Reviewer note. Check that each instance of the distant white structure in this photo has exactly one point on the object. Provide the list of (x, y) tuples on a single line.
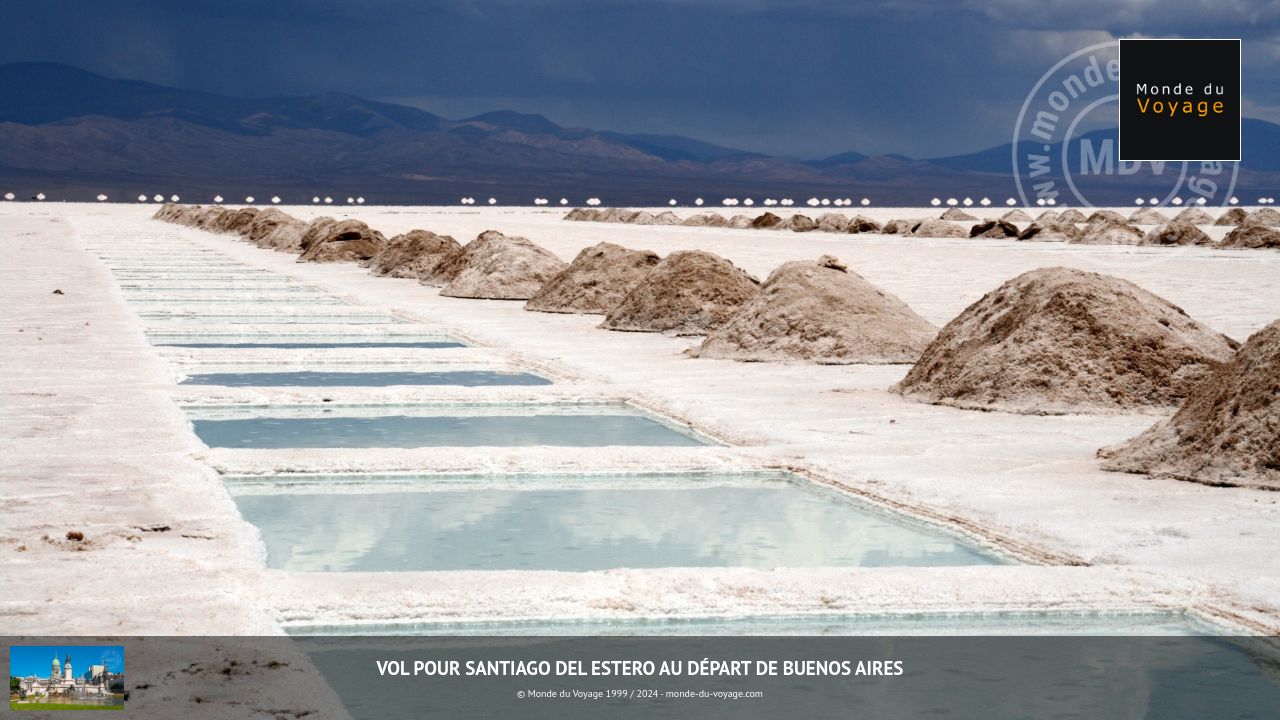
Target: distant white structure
[(866, 202), (102, 198), (360, 200), (825, 201), (729, 202), (1154, 201), (8, 196), (328, 200), (315, 199), (158, 198), (248, 200), (786, 202), (564, 201), (672, 202), (1235, 200), (351, 200), (1138, 201), (698, 202), (1177, 201), (275, 199), (811, 202), (748, 202), (174, 198), (968, 202), (1052, 201), (40, 197), (770, 202), (593, 201), (952, 202), (935, 202), (217, 198), (984, 202), (493, 201), (1200, 201), (1040, 201), (142, 198), (1010, 202)]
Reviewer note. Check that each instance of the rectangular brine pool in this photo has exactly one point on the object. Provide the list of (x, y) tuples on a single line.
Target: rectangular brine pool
[(582, 523), (365, 378), (437, 425), (280, 318), (302, 341)]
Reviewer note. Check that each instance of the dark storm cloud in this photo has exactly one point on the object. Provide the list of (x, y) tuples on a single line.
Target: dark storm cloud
[(806, 77)]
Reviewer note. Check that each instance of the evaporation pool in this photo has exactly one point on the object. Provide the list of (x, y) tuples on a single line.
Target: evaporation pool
[(582, 523), (451, 425), (383, 378), (299, 341)]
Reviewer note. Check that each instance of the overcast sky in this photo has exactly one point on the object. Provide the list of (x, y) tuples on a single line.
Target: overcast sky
[(805, 77)]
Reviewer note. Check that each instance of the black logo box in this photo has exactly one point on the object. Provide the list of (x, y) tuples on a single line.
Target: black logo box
[(1186, 64)]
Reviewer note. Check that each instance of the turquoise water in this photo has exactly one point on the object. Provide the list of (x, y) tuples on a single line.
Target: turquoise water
[(464, 378), (298, 341), (766, 521), (276, 319), (462, 430)]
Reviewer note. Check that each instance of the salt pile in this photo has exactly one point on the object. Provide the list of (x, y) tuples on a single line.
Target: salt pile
[(932, 228), (1060, 340), (616, 215), (1147, 216), (1226, 432), (765, 221), (740, 221), (833, 222), (1108, 228), (597, 280), (994, 229), (957, 214), (706, 220), (1016, 216), (1234, 216), (798, 223), (339, 241), (863, 224), (689, 292), (1262, 216), (820, 312), (1176, 232), (498, 267), (1195, 216), (1072, 216), (414, 254), (582, 214), (1252, 236)]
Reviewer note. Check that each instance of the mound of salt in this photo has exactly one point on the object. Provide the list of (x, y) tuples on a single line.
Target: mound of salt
[(414, 254), (583, 214), (1227, 432), (833, 222), (286, 236), (264, 223), (798, 223), (957, 214), (1147, 216), (1262, 216), (900, 227), (1108, 228), (641, 217), (765, 221), (706, 220), (1048, 218), (994, 229), (820, 312), (1252, 236), (339, 241), (931, 228), (666, 217), (1111, 217), (500, 267), (597, 280), (688, 292), (616, 215), (1050, 233), (863, 224), (1060, 340), (740, 221), (1071, 216), (1176, 232), (1234, 216), (1194, 216), (235, 221), (1016, 216)]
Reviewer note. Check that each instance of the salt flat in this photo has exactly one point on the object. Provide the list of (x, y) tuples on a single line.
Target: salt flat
[(95, 441)]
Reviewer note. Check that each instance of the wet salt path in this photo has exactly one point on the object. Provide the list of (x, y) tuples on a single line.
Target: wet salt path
[(464, 378)]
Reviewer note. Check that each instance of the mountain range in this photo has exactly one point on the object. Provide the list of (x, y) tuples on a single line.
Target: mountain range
[(72, 134)]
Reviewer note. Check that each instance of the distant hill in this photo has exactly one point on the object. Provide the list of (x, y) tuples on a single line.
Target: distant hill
[(72, 134)]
